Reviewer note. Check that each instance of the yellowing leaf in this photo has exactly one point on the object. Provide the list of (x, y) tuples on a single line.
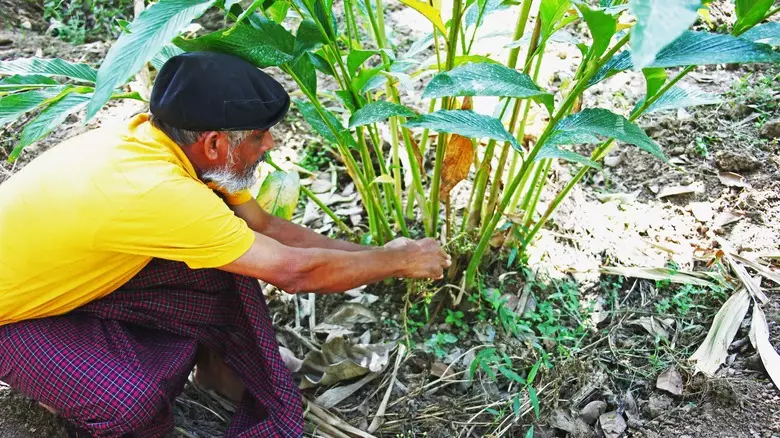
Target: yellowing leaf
[(383, 179), (468, 103), (456, 164), (279, 193), (431, 13)]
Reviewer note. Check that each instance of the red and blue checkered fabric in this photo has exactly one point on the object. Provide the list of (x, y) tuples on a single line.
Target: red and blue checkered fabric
[(115, 365)]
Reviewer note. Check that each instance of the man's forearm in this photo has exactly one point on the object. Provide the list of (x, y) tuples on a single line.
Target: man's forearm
[(328, 271), (290, 234)]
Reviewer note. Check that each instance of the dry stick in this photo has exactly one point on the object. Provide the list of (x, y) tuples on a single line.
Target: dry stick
[(332, 420), (312, 317), (375, 423), (183, 432), (309, 344)]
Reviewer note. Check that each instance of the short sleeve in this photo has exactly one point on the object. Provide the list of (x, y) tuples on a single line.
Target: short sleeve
[(182, 220)]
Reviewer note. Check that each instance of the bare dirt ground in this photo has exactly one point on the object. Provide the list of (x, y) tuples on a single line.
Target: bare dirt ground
[(617, 218)]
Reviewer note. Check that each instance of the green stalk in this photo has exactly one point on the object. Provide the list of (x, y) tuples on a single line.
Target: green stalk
[(349, 17), (564, 109), (440, 144), (397, 177), (538, 169), (426, 132), (541, 181), (521, 188)]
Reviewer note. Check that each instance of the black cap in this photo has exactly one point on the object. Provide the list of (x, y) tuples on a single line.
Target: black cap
[(207, 91)]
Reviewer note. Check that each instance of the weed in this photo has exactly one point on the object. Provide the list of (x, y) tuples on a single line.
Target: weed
[(316, 157), (438, 342), (701, 145), (80, 22)]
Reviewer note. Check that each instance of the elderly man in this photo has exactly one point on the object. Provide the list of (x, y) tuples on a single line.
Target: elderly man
[(126, 252)]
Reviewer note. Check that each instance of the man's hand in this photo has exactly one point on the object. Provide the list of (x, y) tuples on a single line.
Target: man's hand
[(424, 258)]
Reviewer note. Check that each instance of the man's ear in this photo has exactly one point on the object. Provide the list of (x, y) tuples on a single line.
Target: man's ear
[(215, 145)]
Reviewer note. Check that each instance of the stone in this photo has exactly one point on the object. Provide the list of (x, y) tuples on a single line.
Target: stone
[(613, 160), (612, 424), (771, 129), (26, 25), (591, 412), (731, 161), (657, 405), (754, 363)]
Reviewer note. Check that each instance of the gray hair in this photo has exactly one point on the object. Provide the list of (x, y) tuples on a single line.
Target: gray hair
[(184, 137)]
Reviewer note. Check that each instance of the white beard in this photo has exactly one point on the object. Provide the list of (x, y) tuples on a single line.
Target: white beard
[(230, 181)]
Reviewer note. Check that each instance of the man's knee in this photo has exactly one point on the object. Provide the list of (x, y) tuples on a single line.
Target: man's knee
[(130, 406)]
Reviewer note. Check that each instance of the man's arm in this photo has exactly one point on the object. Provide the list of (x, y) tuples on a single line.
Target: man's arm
[(288, 233), (297, 270)]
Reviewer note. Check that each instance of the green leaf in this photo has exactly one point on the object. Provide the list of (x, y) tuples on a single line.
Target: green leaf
[(767, 33), (51, 117), (608, 124), (48, 67), (602, 27), (493, 411), (530, 433), (534, 398), (124, 25), (562, 138), (347, 100), (313, 118), (486, 368), (680, 97), (15, 105), (229, 4), (278, 10), (432, 14), (553, 151), (151, 31), (551, 12), (377, 112), (472, 15), (419, 46), (464, 123), (484, 79), (167, 52), (304, 70), (279, 193), (449, 338), (534, 370), (245, 42), (511, 375), (658, 23), (356, 58), (702, 48), (655, 79), (308, 37), (20, 82), (320, 63), (750, 12), (361, 81)]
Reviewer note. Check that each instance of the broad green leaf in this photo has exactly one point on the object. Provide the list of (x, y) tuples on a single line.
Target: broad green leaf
[(245, 42), (313, 118), (658, 23), (491, 6), (356, 58), (304, 70), (308, 37), (551, 12), (248, 12), (602, 27), (51, 117), (229, 4), (532, 374), (273, 34), (767, 33), (511, 375), (484, 79), (530, 433), (655, 79), (553, 151), (167, 52), (564, 138), (418, 46), (320, 63), (680, 97), (151, 31), (278, 10), (464, 123), (486, 368), (20, 82), (48, 67), (432, 14), (750, 12), (347, 99), (279, 193), (608, 124), (365, 75), (13, 106), (377, 112), (534, 398), (697, 48)]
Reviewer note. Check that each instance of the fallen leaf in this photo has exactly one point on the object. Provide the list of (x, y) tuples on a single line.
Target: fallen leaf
[(681, 277), (456, 164), (759, 337), (612, 424), (349, 314), (468, 103), (652, 326), (670, 381), (620, 198), (732, 180), (702, 211), (713, 351), (339, 361), (334, 396), (727, 217), (441, 370), (290, 361), (321, 186), (591, 412), (697, 187), (761, 269)]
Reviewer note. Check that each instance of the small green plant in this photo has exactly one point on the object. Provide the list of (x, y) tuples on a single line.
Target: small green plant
[(316, 157), (438, 343), (455, 318), (83, 21), (701, 144)]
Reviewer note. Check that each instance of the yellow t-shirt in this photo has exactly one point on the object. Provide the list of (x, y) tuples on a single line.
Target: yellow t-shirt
[(86, 216)]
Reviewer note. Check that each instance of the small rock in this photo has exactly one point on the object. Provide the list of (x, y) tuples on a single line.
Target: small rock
[(612, 424), (754, 363), (39, 53), (687, 180), (657, 405), (613, 160), (591, 412), (26, 25), (678, 150), (732, 161), (771, 129)]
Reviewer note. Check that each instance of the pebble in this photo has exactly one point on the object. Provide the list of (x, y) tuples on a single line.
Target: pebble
[(613, 160), (771, 129), (591, 412), (26, 25)]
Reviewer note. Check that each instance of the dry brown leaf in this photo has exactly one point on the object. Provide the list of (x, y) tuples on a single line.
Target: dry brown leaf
[(339, 361), (612, 424), (697, 187), (334, 396), (713, 351), (442, 371), (350, 314), (732, 180), (468, 103), (759, 337), (654, 326), (456, 164), (752, 285), (670, 381), (761, 269)]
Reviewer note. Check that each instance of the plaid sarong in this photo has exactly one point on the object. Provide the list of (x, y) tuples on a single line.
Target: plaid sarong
[(116, 365)]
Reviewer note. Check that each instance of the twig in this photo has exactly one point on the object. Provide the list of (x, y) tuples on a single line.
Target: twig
[(202, 406), (312, 318), (183, 432), (309, 344), (330, 419), (382, 407)]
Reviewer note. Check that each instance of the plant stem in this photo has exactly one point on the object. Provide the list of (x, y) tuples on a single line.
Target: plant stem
[(441, 145), (397, 177), (541, 180)]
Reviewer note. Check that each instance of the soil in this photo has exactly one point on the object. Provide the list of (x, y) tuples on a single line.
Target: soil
[(615, 218)]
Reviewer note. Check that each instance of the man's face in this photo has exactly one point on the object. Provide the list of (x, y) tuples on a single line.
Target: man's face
[(239, 171)]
